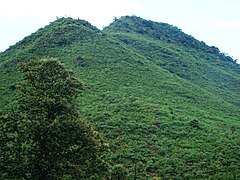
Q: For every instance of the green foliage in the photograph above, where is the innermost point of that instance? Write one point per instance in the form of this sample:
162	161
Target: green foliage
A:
64	145
119	172
159	31
15	149
48	92
162	99
194	123
61	144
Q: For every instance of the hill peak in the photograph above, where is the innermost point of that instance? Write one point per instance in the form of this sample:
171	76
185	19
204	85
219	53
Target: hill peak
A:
163	32
77	22
59	33
156	30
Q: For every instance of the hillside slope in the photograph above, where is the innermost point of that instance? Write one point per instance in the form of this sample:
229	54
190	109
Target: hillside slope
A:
163	100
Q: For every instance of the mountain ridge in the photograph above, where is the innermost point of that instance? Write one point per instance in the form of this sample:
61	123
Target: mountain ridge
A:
161	31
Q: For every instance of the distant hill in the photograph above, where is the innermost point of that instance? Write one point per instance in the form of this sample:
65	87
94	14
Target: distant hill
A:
164	101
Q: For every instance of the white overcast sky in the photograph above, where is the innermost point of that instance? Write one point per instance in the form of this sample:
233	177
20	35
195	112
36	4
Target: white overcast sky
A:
216	22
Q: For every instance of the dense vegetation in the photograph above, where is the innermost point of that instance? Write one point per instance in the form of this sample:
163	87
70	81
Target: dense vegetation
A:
49	140
167	104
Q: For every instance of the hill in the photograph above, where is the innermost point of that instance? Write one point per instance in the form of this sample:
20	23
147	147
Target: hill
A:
166	103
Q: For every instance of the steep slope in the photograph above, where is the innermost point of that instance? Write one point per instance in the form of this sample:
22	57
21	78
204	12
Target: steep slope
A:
46	42
181	54
163	100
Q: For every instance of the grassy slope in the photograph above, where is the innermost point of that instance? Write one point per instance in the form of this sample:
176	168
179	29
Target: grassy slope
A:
166	103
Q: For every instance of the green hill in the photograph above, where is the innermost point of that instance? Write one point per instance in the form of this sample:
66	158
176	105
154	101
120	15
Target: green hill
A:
164	101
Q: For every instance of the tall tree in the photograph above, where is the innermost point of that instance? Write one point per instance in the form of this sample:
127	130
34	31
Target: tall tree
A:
64	146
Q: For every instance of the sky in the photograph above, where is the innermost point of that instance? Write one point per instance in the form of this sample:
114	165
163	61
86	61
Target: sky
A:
216	22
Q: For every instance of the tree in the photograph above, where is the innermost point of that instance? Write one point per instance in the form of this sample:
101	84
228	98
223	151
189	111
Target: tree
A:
63	146
14	149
